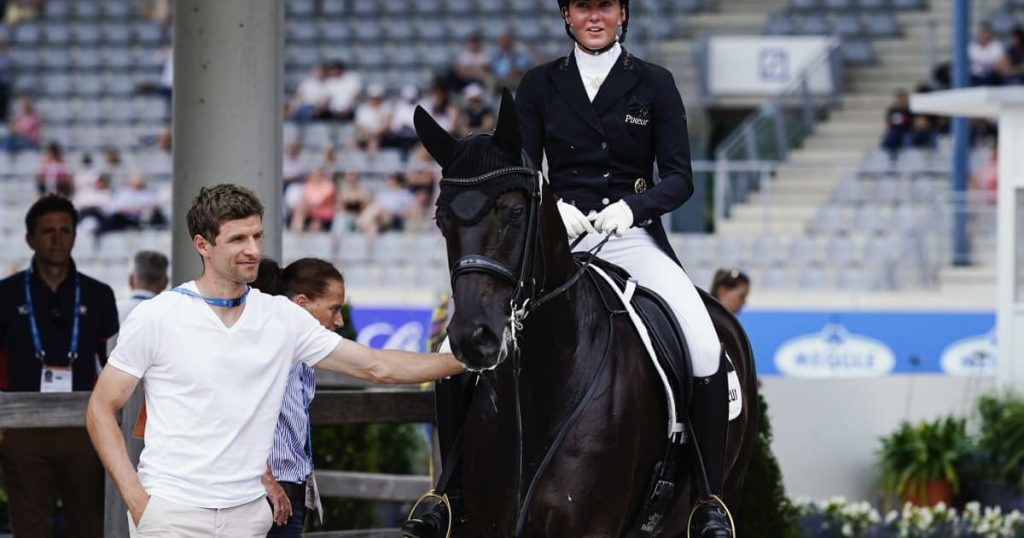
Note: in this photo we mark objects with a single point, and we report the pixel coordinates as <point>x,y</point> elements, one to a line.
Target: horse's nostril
<point>483,338</point>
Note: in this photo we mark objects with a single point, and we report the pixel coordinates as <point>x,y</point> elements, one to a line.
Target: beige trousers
<point>164,519</point>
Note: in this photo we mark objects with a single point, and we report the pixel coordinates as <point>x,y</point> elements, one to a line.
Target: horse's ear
<point>506,132</point>
<point>439,142</point>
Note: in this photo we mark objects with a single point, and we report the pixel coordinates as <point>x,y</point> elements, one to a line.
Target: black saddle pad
<point>663,328</point>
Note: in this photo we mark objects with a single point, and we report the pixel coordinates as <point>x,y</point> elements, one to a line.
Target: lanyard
<point>305,404</point>
<point>75,317</point>
<point>215,301</point>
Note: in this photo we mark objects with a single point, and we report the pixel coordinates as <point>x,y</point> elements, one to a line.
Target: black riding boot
<point>709,418</point>
<point>453,397</point>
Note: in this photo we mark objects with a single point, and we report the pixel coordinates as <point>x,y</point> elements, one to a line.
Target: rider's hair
<point>309,277</point>
<point>218,204</point>
<point>728,279</point>
<point>268,277</point>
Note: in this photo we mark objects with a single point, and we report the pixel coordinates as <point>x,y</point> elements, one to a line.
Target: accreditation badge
<point>313,496</point>
<point>55,379</point>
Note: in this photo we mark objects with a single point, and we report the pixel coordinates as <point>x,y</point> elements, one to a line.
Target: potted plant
<point>919,462</point>
<point>1001,451</point>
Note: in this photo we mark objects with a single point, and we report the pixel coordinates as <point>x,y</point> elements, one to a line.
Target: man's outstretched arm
<point>389,366</point>
<point>112,390</point>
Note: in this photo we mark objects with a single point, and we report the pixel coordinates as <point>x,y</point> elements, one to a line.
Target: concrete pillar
<point>228,110</point>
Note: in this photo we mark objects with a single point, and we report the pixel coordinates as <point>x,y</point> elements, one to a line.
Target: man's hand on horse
<point>615,219</point>
<point>576,223</point>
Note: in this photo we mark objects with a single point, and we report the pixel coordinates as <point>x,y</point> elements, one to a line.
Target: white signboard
<point>766,65</point>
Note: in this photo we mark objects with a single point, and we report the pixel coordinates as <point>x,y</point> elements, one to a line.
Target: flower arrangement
<point>837,518</point>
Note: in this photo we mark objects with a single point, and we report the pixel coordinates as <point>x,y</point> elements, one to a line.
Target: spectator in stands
<point>509,63</point>
<point>922,135</point>
<point>343,88</point>
<point>19,11</point>
<point>135,206</point>
<point>6,79</point>
<point>1012,66</point>
<point>439,104</point>
<point>226,413</point>
<point>40,309</point>
<point>159,11</point>
<point>985,54</point>
<point>476,115</point>
<point>390,209</point>
<point>331,162</point>
<point>318,287</point>
<point>471,65</point>
<point>401,134</point>
<point>372,120</point>
<point>94,203</point>
<point>984,184</point>
<point>422,173</point>
<point>53,176</point>
<point>730,287</point>
<point>312,98</point>
<point>86,175</point>
<point>317,210</point>
<point>147,279</point>
<point>112,165</point>
<point>897,122</point>
<point>353,199</point>
<point>26,128</point>
<point>294,167</point>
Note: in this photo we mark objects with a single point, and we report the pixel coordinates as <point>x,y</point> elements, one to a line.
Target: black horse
<point>562,440</point>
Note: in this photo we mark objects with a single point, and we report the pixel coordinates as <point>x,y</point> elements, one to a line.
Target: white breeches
<point>637,253</point>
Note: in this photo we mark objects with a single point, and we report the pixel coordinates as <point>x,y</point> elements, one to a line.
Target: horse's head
<point>488,211</point>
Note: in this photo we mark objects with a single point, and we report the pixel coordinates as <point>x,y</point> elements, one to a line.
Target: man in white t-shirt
<point>985,54</point>
<point>215,357</point>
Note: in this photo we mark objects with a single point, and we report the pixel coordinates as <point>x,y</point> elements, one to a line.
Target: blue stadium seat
<point>852,277</point>
<point>460,28</point>
<point>300,31</point>
<point>908,4</point>
<point>459,7</point>
<point>838,5</point>
<point>300,8</point>
<point>857,52</point>
<point>882,24</point>
<point>27,34</point>
<point>85,9</point>
<point>873,5</point>
<point>431,29</point>
<point>117,33</point>
<point>86,34</point>
<point>27,83</point>
<point>775,278</point>
<point>840,249</point>
<point>148,33</point>
<point>398,31</point>
<point>813,277</point>
<point>86,61</point>
<point>118,84</point>
<point>87,86</point>
<point>813,24</point>
<point>365,7</point>
<point>780,23</point>
<point>805,5</point>
<point>396,7</point>
<point>367,30</point>
<point>335,31</point>
<point>116,58</point>
<point>1002,22</point>
<point>57,59</point>
<point>116,10</point>
<point>847,25</point>
<point>333,8</point>
<point>27,56</point>
<point>57,9</point>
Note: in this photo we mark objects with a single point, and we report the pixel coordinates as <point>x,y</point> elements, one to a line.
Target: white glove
<point>616,219</point>
<point>575,221</point>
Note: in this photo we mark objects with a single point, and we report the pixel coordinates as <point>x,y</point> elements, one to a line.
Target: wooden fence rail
<point>331,407</point>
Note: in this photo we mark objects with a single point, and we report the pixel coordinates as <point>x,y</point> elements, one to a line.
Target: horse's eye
<point>517,212</point>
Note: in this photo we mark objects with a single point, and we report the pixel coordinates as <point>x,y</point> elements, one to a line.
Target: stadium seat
<point>780,24</point>
<point>813,277</point>
<point>805,5</point>
<point>839,5</point>
<point>908,4</point>
<point>775,277</point>
<point>85,9</point>
<point>872,5</point>
<point>813,24</point>
<point>333,8</point>
<point>857,52</point>
<point>847,25</point>
<point>840,249</point>
<point>300,8</point>
<point>882,24</point>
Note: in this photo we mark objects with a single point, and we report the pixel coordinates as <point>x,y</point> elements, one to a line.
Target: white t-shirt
<point>213,394</point>
<point>343,91</point>
<point>984,57</point>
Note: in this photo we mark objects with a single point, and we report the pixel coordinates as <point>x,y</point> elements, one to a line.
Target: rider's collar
<point>597,64</point>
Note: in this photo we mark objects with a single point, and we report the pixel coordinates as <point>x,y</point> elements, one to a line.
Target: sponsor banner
<point>807,344</point>
<point>393,328</point>
<point>765,65</point>
<point>819,344</point>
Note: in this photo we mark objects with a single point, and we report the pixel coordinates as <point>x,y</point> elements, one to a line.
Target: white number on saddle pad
<point>735,394</point>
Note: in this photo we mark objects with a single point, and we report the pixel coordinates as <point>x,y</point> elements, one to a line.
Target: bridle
<point>527,296</point>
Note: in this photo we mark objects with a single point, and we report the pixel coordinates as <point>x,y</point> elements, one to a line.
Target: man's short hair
<point>49,203</point>
<point>150,268</point>
<point>218,204</point>
<point>309,277</point>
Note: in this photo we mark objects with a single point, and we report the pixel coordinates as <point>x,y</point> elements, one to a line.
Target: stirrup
<point>714,499</point>
<point>443,498</point>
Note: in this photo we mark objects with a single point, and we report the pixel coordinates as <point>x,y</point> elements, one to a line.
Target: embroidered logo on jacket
<point>638,114</point>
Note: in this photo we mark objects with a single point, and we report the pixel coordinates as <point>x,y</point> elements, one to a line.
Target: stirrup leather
<point>714,499</point>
